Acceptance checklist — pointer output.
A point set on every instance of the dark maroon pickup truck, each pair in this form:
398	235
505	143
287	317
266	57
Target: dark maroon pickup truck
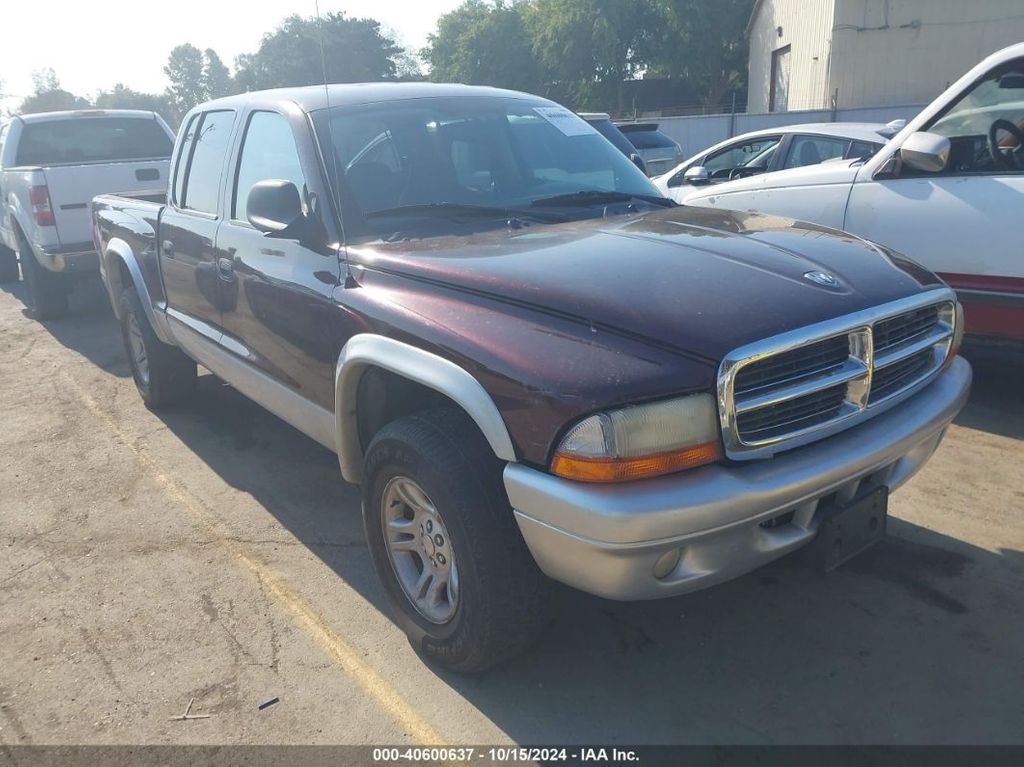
535	366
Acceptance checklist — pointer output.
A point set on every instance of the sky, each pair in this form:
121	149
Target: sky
92	46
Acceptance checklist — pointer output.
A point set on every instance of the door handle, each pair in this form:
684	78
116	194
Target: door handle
167	247
226	268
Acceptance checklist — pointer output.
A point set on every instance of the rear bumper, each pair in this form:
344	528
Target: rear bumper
74	258
606	539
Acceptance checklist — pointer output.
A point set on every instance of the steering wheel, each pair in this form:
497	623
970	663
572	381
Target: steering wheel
1010	159
743	172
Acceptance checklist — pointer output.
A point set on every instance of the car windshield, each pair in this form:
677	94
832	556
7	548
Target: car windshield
437	159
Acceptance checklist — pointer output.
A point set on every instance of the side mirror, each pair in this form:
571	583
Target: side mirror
638	161
696	175
925	151
273	206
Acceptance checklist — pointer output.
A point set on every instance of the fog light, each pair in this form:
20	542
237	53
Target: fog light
667	563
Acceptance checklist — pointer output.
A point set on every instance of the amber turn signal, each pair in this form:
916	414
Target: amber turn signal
626	469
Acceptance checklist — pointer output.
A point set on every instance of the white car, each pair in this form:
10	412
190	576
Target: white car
51	166
775	149
947	191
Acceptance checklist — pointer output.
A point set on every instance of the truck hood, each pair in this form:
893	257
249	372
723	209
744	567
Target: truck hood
699	281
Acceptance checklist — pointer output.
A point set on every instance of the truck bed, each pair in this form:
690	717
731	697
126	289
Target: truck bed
134	219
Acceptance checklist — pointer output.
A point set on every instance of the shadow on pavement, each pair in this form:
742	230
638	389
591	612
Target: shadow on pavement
89	328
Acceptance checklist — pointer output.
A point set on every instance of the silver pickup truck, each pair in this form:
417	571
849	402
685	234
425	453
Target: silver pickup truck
51	166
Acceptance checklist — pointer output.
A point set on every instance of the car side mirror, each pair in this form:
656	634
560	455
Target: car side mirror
925	151
274	206
696	175
638	161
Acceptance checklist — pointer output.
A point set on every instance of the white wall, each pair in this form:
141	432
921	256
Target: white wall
806	27
898	51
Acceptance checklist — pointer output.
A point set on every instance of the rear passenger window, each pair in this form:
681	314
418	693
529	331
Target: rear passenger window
187	137
268	152
811	150
202	181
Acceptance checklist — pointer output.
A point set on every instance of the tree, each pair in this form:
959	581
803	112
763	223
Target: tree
354	50
185	71
216	76
483	43
592	43
123	97
704	43
48	96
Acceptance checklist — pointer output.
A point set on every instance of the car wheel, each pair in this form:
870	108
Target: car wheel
445	543
8	265
163	374
46	293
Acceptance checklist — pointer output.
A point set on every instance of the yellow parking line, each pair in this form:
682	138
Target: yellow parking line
332	643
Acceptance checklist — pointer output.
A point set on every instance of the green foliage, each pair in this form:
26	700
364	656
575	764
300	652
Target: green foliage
123	97
595	44
217	79
483	43
185	71
48	96
585	49
354	50
702	42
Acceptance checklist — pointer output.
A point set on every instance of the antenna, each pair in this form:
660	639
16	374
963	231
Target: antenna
349	279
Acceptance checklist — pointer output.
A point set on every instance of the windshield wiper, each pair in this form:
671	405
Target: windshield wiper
600	197
455	209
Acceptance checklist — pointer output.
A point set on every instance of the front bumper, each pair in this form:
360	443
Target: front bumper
72	259
606	539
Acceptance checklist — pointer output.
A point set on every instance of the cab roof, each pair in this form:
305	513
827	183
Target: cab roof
311	98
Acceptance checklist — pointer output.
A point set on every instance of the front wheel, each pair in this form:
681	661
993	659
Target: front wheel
445	544
8	265
163	374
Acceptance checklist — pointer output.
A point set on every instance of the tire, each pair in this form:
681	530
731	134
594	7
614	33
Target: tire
8	265
163	374
46	293
502	601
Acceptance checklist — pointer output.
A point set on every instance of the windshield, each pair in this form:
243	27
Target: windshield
92	139
429	156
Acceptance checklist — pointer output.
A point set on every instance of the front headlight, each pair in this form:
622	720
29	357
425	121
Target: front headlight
641	441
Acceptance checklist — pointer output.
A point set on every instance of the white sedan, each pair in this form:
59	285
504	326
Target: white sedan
947	191
775	149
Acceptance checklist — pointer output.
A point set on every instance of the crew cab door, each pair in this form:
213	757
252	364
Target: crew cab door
282	319
189	259
964	222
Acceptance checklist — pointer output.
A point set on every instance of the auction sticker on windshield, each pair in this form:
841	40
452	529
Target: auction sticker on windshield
567	122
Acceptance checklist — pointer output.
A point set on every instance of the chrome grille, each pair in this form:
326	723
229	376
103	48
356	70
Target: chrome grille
803	385
894	331
793	365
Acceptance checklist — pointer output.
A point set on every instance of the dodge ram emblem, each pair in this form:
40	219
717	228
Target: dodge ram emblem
822	278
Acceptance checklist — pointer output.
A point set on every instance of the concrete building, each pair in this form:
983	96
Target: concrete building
805	53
